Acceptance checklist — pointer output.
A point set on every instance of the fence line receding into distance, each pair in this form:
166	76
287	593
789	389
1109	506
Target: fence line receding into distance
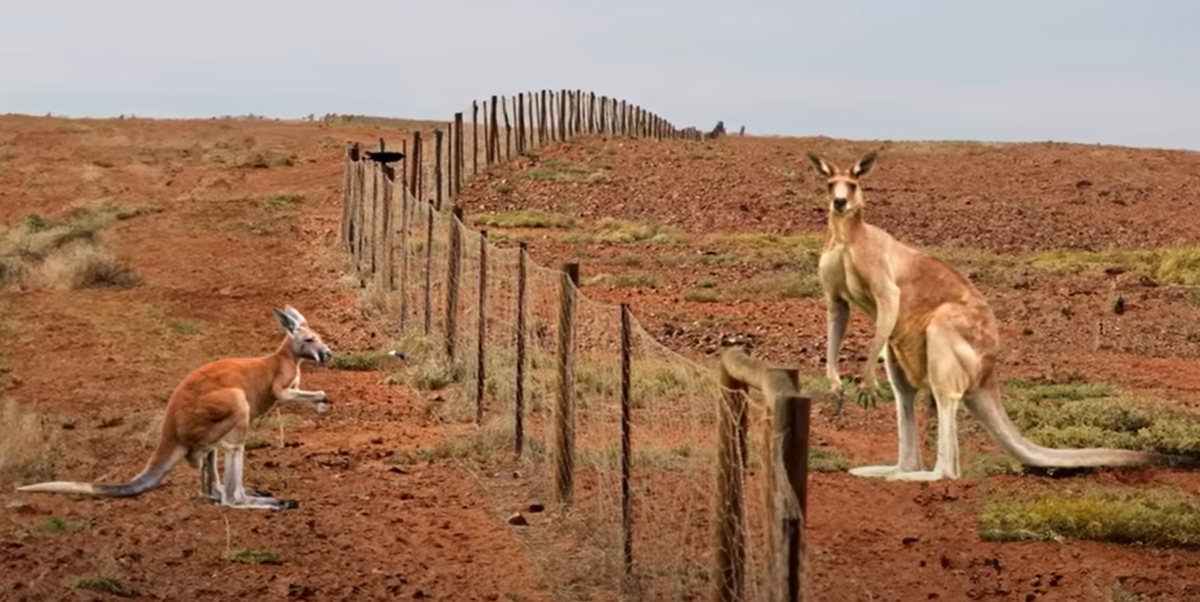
643	453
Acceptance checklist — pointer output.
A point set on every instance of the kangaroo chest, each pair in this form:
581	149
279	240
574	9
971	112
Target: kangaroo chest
842	280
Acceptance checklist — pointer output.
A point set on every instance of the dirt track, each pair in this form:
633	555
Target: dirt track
218	258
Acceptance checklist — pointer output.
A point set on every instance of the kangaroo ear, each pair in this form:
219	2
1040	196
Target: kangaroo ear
864	165
295	315
285	321
822	166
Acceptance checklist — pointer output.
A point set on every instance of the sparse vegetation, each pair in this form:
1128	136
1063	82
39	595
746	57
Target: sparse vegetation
55	525
560	170
104	585
700	295
525	218
1075	413
24	449
66	254
284	201
826	460
1126	515
628	280
788	285
614	230
1178	265
356	361
253	556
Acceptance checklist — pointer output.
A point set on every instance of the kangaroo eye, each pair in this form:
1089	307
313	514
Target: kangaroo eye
308	340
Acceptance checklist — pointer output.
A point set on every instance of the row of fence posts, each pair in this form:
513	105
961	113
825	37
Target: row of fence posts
367	235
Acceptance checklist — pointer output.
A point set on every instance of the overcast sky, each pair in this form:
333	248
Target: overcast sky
1109	71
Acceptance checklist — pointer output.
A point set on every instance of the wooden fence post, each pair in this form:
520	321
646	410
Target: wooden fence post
564	414
487	136
786	452
429	211
562	115
507	129
521	123
453	269
731	499
405	227
542	119
474	137
347	231
519	419
626	452
437	168
459	153
494	134
793	430
481	333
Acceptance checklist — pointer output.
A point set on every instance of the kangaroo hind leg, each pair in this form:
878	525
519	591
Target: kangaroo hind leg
951	360
906	424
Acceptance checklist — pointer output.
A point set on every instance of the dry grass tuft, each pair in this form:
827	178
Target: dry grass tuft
24	454
66	254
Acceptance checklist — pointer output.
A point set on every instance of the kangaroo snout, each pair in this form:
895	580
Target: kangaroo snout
323	356
839	204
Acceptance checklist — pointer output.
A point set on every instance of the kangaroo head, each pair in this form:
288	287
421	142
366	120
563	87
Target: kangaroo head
846	194
303	341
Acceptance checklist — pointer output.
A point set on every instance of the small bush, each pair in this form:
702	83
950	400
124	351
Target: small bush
104	585
251	556
525	218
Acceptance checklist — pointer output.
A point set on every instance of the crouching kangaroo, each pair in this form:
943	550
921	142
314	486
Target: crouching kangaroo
212	409
936	331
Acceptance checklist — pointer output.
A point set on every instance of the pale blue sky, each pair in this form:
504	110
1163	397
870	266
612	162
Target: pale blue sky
1109	71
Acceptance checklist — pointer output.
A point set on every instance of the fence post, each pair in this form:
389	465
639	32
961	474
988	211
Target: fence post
542	119
459	156
520	119
437	168
626	453
386	274
481	335
731	500
474	137
792	423
405	226
564	414
519	419
429	211
507	129
562	116
494	133
347	230
453	260
451	166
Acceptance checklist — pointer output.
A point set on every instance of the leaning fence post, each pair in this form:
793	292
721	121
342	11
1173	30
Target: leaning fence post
519	419
792	420
564	414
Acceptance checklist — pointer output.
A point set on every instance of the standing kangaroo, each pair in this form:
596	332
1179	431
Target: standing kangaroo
936	331
211	409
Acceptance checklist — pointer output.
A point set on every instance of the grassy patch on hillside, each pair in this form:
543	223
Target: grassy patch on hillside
1178	265
524	218
1124	515
1076	413
66	253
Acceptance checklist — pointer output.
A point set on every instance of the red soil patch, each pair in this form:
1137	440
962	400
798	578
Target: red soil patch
221	254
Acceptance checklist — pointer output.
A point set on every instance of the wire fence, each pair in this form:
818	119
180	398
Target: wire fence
564	406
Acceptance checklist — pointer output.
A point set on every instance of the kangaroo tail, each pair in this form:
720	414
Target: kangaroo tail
164	459
989	411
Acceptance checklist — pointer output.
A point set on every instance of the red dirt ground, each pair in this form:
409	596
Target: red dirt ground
101	363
